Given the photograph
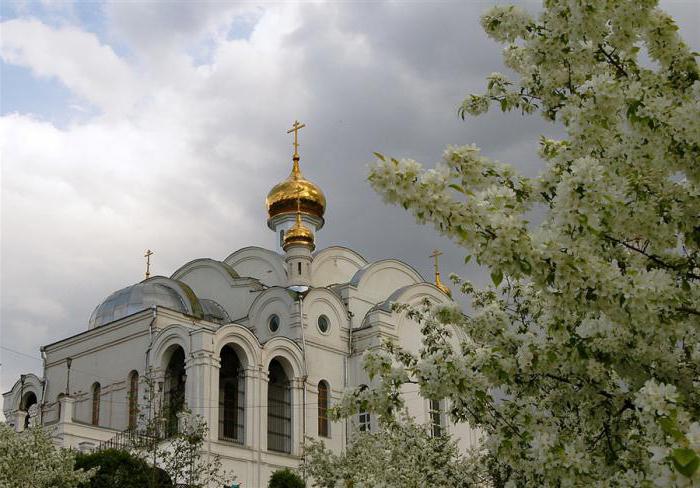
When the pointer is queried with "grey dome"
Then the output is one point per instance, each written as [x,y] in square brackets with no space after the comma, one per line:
[136,298]
[213,311]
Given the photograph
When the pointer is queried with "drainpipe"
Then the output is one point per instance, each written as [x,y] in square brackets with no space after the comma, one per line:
[150,337]
[44,382]
[146,371]
[306,373]
[347,361]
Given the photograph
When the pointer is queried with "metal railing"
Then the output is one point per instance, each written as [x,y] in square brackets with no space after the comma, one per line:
[130,438]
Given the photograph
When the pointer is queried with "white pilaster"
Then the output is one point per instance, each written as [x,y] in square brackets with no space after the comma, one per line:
[67,408]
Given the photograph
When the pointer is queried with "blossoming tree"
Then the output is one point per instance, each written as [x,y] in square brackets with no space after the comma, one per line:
[31,459]
[398,455]
[582,363]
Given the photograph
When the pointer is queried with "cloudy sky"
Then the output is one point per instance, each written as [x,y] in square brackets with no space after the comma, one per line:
[162,125]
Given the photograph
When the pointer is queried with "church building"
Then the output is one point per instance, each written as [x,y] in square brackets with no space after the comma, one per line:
[260,344]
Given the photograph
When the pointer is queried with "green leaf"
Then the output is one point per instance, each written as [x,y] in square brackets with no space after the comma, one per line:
[458,188]
[379,156]
[496,277]
[668,425]
[467,258]
[525,266]
[685,460]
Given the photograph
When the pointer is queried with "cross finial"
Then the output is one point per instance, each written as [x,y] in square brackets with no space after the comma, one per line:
[436,255]
[148,255]
[295,128]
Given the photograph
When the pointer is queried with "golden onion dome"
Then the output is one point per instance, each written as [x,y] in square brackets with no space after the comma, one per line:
[284,196]
[299,234]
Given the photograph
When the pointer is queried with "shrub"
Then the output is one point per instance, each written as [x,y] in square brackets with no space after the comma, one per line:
[285,478]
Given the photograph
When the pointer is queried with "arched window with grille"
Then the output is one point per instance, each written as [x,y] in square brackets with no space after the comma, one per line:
[133,399]
[175,380]
[279,409]
[231,397]
[96,392]
[323,404]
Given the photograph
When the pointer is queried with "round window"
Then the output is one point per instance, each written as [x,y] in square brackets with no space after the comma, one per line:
[323,324]
[273,323]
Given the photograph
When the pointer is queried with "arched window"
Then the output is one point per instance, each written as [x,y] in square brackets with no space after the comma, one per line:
[133,399]
[323,400]
[26,403]
[231,397]
[175,378]
[279,409]
[58,405]
[96,391]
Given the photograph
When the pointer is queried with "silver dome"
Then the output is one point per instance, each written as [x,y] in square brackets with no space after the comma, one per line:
[136,298]
[213,311]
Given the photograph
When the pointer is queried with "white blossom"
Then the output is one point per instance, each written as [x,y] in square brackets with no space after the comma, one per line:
[582,363]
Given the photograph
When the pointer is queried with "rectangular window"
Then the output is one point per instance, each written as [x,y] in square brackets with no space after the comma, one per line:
[436,426]
[365,423]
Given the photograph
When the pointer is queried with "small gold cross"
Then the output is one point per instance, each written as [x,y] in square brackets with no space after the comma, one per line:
[148,255]
[295,128]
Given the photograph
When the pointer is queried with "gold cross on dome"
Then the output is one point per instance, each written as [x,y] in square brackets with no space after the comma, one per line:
[148,255]
[436,254]
[295,128]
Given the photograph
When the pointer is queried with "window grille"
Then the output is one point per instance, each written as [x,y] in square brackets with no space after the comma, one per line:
[323,409]
[175,378]
[365,422]
[279,410]
[96,404]
[436,419]
[133,399]
[231,397]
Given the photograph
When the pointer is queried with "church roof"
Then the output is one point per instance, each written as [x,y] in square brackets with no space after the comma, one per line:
[136,298]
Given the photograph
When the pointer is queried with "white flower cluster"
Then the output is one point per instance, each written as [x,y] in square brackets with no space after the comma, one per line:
[582,363]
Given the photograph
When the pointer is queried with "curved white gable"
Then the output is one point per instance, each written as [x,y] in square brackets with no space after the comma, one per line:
[217,281]
[32,383]
[335,264]
[259,263]
[414,295]
[380,279]
[277,301]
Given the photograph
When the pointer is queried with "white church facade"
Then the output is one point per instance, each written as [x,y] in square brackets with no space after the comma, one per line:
[260,344]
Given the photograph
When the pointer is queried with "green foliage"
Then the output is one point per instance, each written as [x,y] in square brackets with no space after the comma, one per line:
[120,469]
[285,478]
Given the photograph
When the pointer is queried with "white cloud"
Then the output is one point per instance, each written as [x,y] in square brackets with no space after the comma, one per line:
[77,58]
